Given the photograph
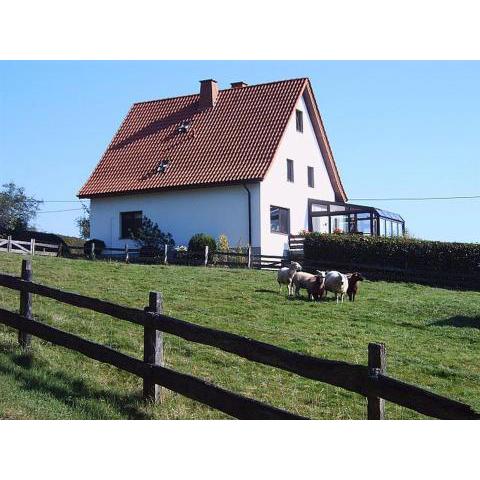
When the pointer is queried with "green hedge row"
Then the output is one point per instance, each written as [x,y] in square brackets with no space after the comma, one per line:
[397,252]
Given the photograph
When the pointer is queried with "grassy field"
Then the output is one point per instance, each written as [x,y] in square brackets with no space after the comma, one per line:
[432,338]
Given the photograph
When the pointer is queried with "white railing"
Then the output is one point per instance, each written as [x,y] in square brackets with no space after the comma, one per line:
[28,248]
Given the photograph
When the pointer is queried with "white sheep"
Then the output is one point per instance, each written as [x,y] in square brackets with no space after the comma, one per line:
[336,283]
[314,284]
[285,276]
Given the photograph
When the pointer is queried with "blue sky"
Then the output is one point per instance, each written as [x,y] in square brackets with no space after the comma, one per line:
[397,129]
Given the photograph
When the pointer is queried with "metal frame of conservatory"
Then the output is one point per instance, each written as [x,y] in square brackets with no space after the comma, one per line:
[358,219]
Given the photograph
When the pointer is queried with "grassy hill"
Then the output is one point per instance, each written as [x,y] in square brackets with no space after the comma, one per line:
[432,338]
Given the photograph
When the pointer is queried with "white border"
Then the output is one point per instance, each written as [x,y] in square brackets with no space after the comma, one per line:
[238,450]
[242,29]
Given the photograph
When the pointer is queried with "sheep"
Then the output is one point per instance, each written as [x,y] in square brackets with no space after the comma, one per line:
[353,279]
[285,276]
[336,283]
[314,284]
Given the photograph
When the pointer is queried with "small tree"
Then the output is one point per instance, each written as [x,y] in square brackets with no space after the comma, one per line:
[83,223]
[222,243]
[150,238]
[17,210]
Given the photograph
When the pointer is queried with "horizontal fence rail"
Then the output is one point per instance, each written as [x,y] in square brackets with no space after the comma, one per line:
[369,382]
[230,403]
[28,248]
[240,257]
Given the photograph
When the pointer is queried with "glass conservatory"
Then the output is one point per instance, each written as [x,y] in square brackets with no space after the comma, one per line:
[337,217]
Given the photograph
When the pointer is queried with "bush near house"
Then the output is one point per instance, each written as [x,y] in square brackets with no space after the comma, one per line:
[99,247]
[222,243]
[151,239]
[199,241]
[399,252]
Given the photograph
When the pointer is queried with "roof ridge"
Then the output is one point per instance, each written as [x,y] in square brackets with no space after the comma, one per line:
[224,90]
[166,98]
[267,83]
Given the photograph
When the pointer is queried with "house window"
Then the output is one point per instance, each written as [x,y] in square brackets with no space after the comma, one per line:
[130,222]
[289,170]
[311,177]
[299,120]
[280,220]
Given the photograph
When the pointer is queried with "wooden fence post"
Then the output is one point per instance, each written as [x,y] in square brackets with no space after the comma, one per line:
[249,256]
[206,255]
[25,339]
[165,257]
[127,258]
[92,250]
[152,348]
[60,250]
[376,364]
[32,247]
[9,243]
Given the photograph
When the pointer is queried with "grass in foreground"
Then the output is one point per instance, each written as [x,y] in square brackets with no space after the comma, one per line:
[432,338]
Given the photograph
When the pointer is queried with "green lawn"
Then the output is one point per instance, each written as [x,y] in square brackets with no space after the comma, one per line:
[432,337]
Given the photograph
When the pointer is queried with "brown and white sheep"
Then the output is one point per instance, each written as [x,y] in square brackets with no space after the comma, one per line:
[314,284]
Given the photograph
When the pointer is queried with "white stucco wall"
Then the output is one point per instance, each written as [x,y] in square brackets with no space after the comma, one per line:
[303,149]
[182,213]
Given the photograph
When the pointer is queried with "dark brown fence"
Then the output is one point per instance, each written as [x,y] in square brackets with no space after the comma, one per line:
[369,381]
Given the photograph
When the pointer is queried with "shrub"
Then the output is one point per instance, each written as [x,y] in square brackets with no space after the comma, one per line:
[199,241]
[151,239]
[99,247]
[399,252]
[222,243]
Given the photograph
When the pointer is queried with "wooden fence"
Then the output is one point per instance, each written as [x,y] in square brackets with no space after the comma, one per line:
[240,259]
[28,248]
[231,258]
[369,381]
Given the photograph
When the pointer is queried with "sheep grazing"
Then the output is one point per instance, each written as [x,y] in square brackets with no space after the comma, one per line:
[336,283]
[314,284]
[353,279]
[285,276]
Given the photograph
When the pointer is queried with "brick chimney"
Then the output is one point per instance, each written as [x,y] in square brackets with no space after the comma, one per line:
[208,93]
[238,84]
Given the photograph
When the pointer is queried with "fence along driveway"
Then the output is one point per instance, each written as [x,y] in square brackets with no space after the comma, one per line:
[370,381]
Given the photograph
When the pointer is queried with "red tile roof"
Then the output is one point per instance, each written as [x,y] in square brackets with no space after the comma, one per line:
[233,142]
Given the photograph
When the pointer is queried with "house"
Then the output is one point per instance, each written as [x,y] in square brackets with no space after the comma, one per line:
[251,162]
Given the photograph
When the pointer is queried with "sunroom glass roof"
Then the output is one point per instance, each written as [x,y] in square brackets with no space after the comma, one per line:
[389,215]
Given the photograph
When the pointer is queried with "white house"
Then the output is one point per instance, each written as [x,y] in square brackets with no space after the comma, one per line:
[250,162]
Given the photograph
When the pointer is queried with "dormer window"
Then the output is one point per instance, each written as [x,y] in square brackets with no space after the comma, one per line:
[162,166]
[299,120]
[183,127]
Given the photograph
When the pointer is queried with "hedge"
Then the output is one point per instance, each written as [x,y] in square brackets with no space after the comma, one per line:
[396,252]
